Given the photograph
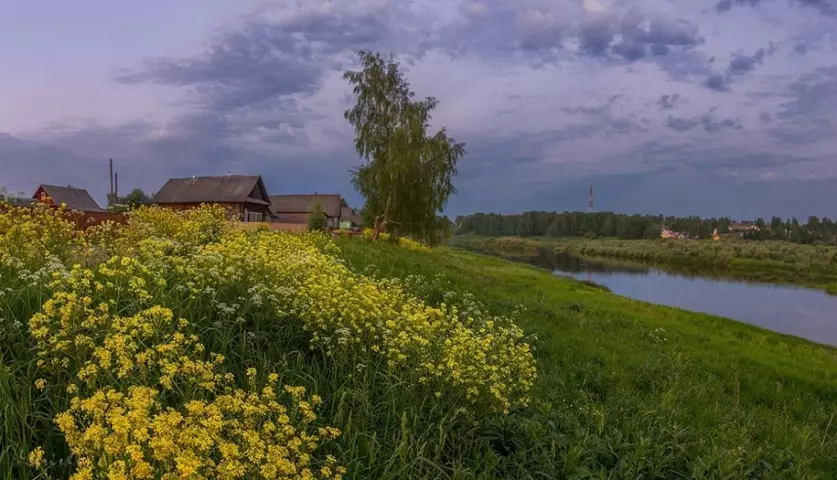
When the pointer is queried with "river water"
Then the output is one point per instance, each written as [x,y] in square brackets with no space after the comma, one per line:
[793,310]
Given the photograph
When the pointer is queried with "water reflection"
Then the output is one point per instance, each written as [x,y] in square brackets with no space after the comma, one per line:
[799,311]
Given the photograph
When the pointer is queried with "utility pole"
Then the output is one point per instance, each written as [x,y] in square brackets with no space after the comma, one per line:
[110,192]
[116,187]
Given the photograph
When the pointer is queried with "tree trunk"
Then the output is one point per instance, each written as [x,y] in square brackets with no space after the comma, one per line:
[381,220]
[376,232]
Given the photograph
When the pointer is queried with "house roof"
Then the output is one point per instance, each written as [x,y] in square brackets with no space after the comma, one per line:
[351,215]
[72,198]
[218,189]
[305,204]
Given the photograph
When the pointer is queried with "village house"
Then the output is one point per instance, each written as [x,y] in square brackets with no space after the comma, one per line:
[667,234]
[244,196]
[70,198]
[743,227]
[297,208]
[350,218]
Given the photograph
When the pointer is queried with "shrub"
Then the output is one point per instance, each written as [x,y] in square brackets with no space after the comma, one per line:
[317,221]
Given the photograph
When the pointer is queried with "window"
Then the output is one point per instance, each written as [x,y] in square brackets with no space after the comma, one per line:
[253,216]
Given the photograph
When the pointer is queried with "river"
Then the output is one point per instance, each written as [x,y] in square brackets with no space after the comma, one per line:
[793,310]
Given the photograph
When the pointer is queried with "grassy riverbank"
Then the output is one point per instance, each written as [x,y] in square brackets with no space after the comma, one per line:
[772,262]
[180,346]
[629,389]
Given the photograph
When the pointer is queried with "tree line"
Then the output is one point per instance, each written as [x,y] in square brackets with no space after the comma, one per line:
[609,224]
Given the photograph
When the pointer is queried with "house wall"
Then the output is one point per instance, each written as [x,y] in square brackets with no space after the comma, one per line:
[263,210]
[42,197]
[234,210]
[86,220]
[302,218]
[273,226]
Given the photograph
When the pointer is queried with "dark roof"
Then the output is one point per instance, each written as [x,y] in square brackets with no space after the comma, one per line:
[220,189]
[72,198]
[351,215]
[305,204]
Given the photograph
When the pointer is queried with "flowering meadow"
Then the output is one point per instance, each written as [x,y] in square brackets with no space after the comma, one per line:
[179,346]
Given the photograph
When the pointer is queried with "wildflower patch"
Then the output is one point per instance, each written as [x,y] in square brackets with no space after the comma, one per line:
[119,335]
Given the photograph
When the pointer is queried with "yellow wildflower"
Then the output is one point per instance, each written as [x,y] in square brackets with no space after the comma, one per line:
[36,457]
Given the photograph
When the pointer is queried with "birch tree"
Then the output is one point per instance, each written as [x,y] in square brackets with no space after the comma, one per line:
[407,176]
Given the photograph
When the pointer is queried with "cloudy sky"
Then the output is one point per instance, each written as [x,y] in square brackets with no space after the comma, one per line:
[672,106]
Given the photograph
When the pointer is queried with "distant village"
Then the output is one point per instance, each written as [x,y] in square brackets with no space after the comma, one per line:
[244,196]
[736,230]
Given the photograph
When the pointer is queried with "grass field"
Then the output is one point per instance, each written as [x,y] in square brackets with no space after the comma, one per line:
[770,262]
[628,389]
[178,347]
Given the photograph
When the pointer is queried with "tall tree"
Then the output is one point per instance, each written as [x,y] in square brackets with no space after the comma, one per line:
[408,176]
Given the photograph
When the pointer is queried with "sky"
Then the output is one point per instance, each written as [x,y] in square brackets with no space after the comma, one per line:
[681,107]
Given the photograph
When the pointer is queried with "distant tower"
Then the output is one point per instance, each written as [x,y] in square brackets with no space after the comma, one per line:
[590,200]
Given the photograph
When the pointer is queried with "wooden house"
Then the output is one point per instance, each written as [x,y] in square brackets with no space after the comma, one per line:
[79,207]
[350,218]
[244,196]
[70,198]
[297,208]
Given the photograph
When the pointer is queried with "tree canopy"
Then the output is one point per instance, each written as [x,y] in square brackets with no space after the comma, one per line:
[407,176]
[135,198]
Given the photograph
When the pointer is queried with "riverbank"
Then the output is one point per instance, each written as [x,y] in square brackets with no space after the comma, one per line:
[633,388]
[375,360]
[768,262]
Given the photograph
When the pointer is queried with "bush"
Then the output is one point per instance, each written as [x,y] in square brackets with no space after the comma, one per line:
[317,221]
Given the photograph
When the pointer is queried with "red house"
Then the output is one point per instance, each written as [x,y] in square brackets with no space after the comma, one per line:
[70,198]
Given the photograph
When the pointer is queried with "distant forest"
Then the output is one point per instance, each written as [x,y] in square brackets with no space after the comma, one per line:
[609,224]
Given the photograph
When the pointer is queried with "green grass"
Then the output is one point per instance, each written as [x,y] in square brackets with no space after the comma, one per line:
[629,389]
[770,262]
[625,389]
